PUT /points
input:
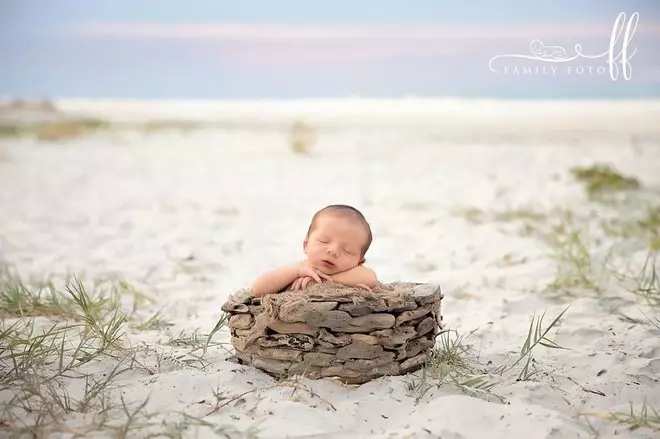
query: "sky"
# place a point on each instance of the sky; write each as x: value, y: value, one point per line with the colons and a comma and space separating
x: 291, y: 49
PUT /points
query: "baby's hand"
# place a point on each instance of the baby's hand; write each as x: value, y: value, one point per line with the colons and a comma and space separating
x: 301, y: 283
x: 305, y: 269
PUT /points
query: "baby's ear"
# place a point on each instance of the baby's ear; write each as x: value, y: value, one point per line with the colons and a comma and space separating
x: 305, y: 244
x: 362, y: 261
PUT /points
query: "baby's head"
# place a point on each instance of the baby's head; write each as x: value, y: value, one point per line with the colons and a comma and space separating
x: 338, y: 238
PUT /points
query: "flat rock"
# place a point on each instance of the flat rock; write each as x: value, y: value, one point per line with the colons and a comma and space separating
x: 401, y: 304
x: 293, y: 328
x: 277, y: 367
x: 279, y: 354
x: 329, y: 319
x: 363, y: 308
x: 240, y: 343
x: 366, y: 366
x: 242, y: 296
x: 294, y: 312
x: 328, y: 339
x: 413, y: 363
x: 241, y: 321
x: 367, y: 323
x: 358, y: 377
x: 407, y: 316
x: 364, y: 338
x: 320, y: 359
x: 425, y: 294
x: 425, y: 326
x: 401, y: 353
x: 293, y: 341
x: 233, y: 307
x: 395, y: 337
x: 359, y: 350
x: 389, y: 369
x: 418, y: 345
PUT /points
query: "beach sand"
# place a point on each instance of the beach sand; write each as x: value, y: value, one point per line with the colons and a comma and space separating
x: 476, y: 197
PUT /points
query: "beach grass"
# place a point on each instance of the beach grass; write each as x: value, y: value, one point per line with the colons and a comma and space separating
x: 72, y: 129
x: 635, y: 418
x: 573, y: 264
x: 302, y: 137
x: 63, y: 352
x: 577, y: 243
x: 479, y: 216
x: 452, y: 362
x: 537, y: 335
x: 602, y: 178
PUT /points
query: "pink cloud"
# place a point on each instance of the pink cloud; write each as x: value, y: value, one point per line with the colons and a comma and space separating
x: 261, y: 32
x: 329, y: 44
x: 328, y: 53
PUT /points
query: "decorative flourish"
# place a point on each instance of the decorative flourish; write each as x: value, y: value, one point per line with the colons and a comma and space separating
x: 623, y: 29
x: 540, y: 50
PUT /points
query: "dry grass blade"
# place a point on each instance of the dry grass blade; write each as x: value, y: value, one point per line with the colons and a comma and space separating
x: 648, y: 282
x: 221, y: 323
x: 94, y: 387
x: 536, y: 335
x: 131, y: 415
x: 645, y: 285
x: 647, y: 417
x: 155, y: 322
x: 655, y: 321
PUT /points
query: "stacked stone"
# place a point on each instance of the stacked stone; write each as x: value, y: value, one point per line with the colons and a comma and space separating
x: 353, y: 342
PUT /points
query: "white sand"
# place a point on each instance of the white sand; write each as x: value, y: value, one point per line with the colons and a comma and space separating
x: 238, y: 201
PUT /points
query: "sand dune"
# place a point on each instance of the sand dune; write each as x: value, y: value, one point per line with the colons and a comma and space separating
x: 457, y: 117
x: 187, y: 217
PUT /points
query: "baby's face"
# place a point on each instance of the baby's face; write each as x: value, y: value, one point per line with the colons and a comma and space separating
x: 336, y: 244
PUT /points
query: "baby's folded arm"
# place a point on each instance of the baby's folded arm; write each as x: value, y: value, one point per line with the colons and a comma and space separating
x: 356, y: 276
x: 275, y: 280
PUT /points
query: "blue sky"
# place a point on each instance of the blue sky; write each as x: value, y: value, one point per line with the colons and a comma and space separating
x: 304, y: 49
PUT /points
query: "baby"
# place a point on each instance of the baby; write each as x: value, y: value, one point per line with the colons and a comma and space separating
x: 336, y: 242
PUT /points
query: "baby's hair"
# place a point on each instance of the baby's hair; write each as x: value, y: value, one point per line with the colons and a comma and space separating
x: 345, y: 211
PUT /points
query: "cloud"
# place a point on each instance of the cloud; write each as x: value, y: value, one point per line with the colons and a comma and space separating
x: 300, y: 44
x: 301, y: 54
x: 271, y: 32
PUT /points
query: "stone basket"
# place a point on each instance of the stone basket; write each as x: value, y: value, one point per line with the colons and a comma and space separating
x: 331, y: 330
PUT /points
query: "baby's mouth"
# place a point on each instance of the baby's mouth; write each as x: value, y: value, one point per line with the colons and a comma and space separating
x: 328, y: 263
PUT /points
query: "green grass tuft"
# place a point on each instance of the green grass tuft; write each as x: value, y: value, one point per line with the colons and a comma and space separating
x: 602, y: 178
x: 302, y: 137
x: 573, y: 269
x: 451, y: 362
